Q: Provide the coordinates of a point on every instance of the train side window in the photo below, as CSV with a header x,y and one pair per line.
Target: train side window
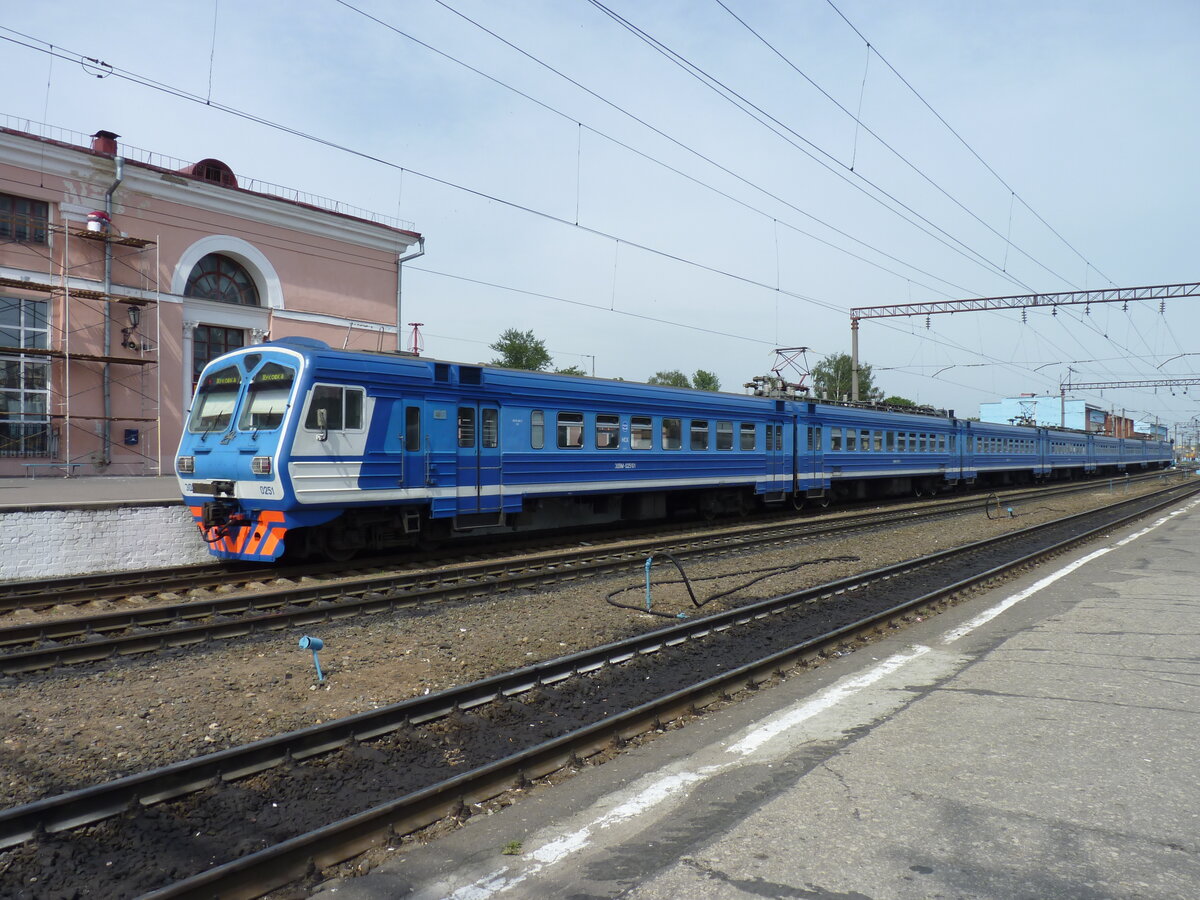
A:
x,y
941,443
699,434
891,442
608,431
672,434
491,428
570,431
748,435
724,435
878,441
537,429
864,440
328,398
835,438
953,442
851,439
354,407
641,433
778,437
343,408
412,428
466,426
978,445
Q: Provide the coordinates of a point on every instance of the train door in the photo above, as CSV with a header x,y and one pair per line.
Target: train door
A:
x,y
812,456
415,444
777,460
478,430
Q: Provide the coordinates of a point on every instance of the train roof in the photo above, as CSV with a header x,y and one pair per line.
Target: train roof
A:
x,y
469,373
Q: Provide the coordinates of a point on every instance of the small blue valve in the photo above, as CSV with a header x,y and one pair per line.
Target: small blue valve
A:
x,y
313,644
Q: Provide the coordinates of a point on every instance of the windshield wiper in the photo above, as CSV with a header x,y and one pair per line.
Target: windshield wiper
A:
x,y
254,435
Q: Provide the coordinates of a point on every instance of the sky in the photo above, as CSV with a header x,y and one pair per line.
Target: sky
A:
x,y
662,184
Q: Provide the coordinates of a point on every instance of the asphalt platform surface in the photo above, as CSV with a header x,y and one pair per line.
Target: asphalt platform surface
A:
x,y
81,491
1038,741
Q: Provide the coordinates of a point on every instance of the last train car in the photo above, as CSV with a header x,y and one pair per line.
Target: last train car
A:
x,y
294,446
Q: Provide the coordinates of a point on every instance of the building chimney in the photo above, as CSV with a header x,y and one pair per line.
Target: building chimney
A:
x,y
105,142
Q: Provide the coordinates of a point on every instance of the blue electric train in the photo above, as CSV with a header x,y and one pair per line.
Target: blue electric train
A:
x,y
292,445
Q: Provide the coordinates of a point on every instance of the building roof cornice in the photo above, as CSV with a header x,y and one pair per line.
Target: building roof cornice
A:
x,y
70,162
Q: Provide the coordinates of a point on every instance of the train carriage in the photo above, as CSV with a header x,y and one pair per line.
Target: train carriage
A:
x,y
294,446
1005,454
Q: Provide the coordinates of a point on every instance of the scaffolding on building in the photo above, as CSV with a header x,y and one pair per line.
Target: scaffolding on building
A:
x,y
63,423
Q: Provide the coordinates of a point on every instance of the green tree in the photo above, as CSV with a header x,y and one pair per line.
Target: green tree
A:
x,y
705,381
673,378
521,350
832,376
570,370
899,401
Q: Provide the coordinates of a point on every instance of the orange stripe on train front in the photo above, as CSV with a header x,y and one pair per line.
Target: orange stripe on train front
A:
x,y
246,534
274,536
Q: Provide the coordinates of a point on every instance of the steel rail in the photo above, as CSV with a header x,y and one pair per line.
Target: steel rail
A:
x,y
92,804
379,593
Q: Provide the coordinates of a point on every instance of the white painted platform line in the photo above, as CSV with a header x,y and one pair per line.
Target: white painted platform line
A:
x,y
663,789
827,699
1008,602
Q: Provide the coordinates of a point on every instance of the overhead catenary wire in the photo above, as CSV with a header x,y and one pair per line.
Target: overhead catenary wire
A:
x,y
673,140
829,162
900,156
872,48
610,236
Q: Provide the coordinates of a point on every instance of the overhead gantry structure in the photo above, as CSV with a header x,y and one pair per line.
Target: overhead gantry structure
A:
x,y
1161,292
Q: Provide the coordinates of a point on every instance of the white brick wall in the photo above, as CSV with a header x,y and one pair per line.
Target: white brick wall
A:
x,y
75,542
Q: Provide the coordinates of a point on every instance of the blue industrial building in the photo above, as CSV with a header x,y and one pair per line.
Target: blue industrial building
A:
x,y
1029,409
1054,411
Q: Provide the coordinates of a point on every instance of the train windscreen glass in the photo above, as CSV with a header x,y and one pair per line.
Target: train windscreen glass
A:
x,y
267,398
215,400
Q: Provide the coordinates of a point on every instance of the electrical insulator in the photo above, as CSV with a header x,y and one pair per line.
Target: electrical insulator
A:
x,y
927,321
1024,318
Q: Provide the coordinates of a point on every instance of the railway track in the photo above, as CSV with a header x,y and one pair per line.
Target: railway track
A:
x,y
40,593
50,642
246,820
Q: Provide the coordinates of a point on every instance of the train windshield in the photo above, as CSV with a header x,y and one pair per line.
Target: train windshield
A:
x,y
267,398
215,400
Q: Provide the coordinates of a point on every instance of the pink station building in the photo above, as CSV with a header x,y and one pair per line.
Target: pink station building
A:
x,y
123,272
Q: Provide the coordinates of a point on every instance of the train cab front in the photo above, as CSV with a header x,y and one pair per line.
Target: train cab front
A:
x,y
228,463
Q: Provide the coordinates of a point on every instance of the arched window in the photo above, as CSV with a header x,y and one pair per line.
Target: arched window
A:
x,y
217,277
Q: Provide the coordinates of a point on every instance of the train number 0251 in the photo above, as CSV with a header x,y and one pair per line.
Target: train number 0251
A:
x,y
266,490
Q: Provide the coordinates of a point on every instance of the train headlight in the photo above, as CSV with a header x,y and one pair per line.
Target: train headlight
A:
x,y
261,465
186,465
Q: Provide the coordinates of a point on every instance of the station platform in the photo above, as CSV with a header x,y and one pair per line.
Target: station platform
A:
x,y
82,492
1037,741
